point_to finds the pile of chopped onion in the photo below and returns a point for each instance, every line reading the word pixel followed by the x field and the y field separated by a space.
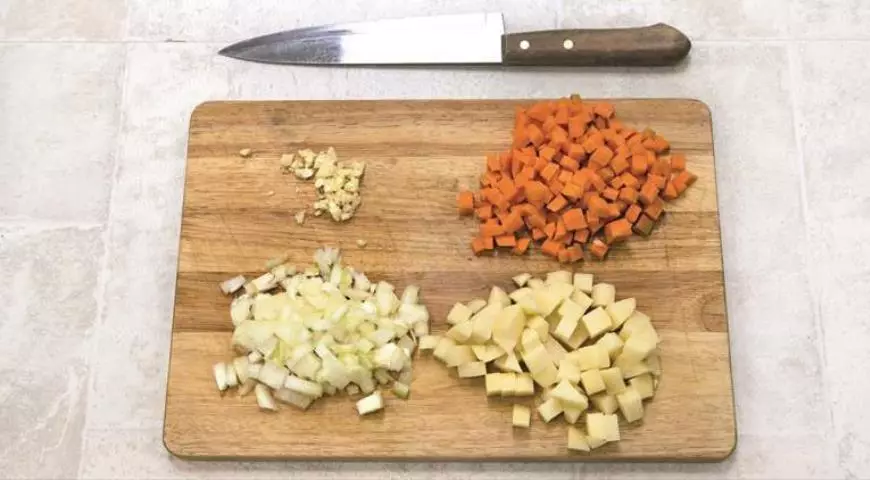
pixel 321 331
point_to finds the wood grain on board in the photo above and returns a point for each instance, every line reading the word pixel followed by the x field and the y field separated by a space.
pixel 238 213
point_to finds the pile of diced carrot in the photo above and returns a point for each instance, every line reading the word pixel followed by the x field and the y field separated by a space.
pixel 575 177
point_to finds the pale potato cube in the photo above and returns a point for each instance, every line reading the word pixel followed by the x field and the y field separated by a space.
pixel 569 396
pixel 630 368
pixel 458 355
pixel 508 327
pixel 555 349
pixel 620 311
pixel 577 338
pixel 498 296
pixel 604 403
pixel 592 382
pixel 613 380
pixel 519 293
pixel 571 313
pixel 581 299
pixel 546 301
pixel 537 359
pixel 577 440
pixel 630 404
pixel 476 305
pixel 493 384
pixel 443 348
pixel 612 343
pixel 572 414
pixel 460 332
pixel 603 426
pixel 472 369
pixel 522 416
pixel 525 385
pixel 590 358
pixel 547 376
pixel 429 342
pixel 529 340
pixel 595 442
pixel 488 352
pixel 482 323
pixel 521 279
pixel 643 384
pixel 637 320
pixel 508 363
pixel 528 306
pixel 603 294
pixel 561 290
pixel 568 370
pixel 458 314
pixel 508 387
pixel 535 283
pixel 583 282
pixel 549 409
pixel 639 345
pixel 596 322
pixel 539 324
pixel 560 276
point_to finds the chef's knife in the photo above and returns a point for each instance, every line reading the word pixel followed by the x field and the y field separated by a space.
pixel 463 39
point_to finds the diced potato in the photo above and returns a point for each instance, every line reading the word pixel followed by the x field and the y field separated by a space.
pixel 595 442
pixel 629 367
pixel 603 426
pixel 529 340
pixel 482 323
pixel 569 371
pixel 508 326
pixel 508 363
pixel 535 283
pixel 579 336
pixel 476 305
pixel 643 384
pixel 488 352
pixel 560 276
pixel 603 294
pixel 458 314
pixel 596 322
pixel 637 320
pixel 429 342
pixel 630 404
pixel 582 299
pixel 613 380
pixel 583 282
pixel 508 387
pixel 639 345
pixel 577 440
pixel 561 290
pixel 521 279
pixel 459 355
pixel 537 359
pixel 572 414
pixel 443 348
pixel 590 358
pixel 654 364
pixel 522 416
pixel 592 382
pixel 528 306
pixel 570 317
pixel 519 293
pixel 569 396
pixel 498 296
pixel 549 409
pixel 547 376
pixel 525 385
pixel 472 369
pixel 460 332
pixel 620 311
pixel 539 324
pixel 546 300
pixel 555 349
pixel 494 383
pixel 612 343
pixel 604 403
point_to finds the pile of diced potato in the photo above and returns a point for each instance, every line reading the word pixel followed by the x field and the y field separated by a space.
pixel 587 352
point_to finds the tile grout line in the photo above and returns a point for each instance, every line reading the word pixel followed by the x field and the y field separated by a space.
pixel 812 285
pixel 104 262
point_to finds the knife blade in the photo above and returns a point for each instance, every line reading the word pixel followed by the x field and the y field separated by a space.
pixel 463 39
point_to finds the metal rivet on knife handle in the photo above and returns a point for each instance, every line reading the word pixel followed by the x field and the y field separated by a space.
pixel 568 44
pixel 524 44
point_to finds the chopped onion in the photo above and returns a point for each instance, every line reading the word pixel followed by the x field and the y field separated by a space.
pixel 401 390
pixel 220 375
pixel 372 403
pixel 233 284
pixel 285 395
pixel 264 398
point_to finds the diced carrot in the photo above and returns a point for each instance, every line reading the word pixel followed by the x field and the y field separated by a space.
pixel 678 161
pixel 598 206
pixel 484 212
pixel 491 230
pixel 615 124
pixel 559 135
pixel 561 230
pixel 619 164
pixel 593 141
pixel 628 195
pixel 617 230
pixel 550 229
pixel 479 245
pixel 565 176
pixel 572 191
pixel 643 226
pixel 549 124
pixel 492 163
pixel 506 240
pixel 521 246
pixel 638 164
pixel 569 163
pixel 670 192
pixel 538 234
pixel 598 248
pixel 686 177
pixel 539 111
pixel 604 109
pixel 606 174
pixel 551 248
pixel 465 203
pixel 576 126
pixel 597 182
pixel 556 187
pixel 537 221
pixel 610 193
pixel 563 255
pixel 537 193
pixel 616 182
pixel 574 219
pixel 581 236
pixel 550 172
pixel 557 203
pixel 648 193
pixel 506 186
pixel 655 209
pixel 561 115
pixel 633 213
pixel 601 157
pixel 577 152
pixel 600 122
pixel 547 153
pixel 536 136
pixel 657 180
pixel 513 222
pixel 661 167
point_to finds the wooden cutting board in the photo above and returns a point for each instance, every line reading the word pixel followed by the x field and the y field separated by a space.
pixel 238 213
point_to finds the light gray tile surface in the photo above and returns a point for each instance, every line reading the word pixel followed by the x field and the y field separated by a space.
pixel 92 136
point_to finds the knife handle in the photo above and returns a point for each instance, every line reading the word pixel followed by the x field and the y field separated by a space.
pixel 654 45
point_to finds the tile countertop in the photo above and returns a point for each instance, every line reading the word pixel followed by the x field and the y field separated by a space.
pixel 94 101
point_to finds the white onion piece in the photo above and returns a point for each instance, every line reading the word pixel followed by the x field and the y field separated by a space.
pixel 264 398
pixel 233 285
pixel 372 403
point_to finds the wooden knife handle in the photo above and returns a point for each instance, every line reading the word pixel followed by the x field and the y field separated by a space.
pixel 655 45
